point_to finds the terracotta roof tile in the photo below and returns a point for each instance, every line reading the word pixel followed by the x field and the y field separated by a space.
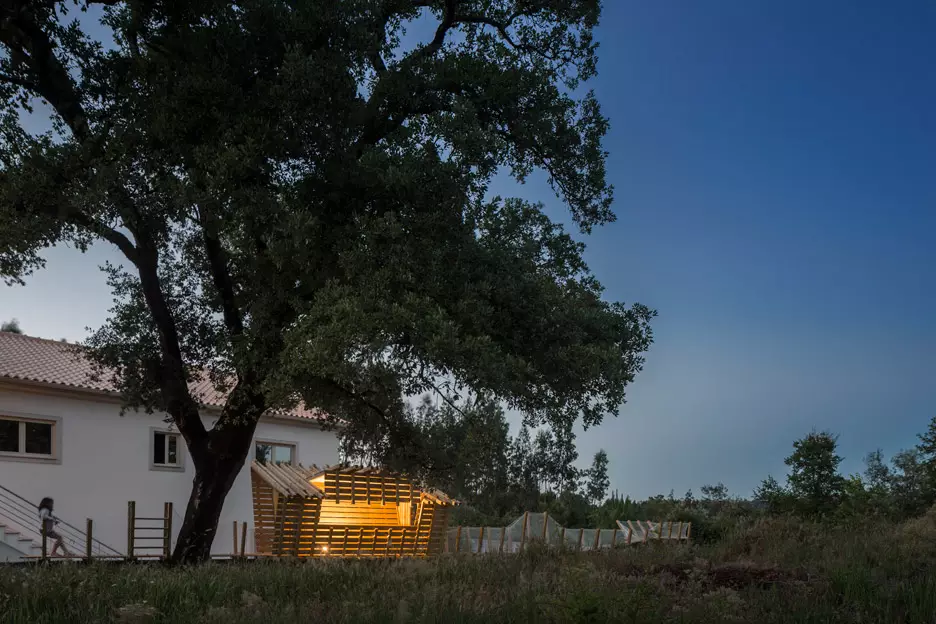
pixel 61 364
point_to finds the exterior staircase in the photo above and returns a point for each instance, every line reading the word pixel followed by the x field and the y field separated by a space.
pixel 15 546
pixel 20 536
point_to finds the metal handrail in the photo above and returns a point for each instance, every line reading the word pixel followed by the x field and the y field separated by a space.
pixel 79 536
pixel 23 524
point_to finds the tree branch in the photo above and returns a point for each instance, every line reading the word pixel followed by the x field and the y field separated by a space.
pixel 445 398
pixel 107 233
pixel 32 86
pixel 32 47
pixel 174 382
pixel 220 273
pixel 448 20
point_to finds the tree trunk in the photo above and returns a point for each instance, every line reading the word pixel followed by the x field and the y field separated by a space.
pixel 209 489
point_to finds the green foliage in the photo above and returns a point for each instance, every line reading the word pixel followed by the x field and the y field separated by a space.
pixel 927 460
pixel 813 487
pixel 303 208
pixel 12 326
pixel 814 480
pixel 903 489
pixel 596 487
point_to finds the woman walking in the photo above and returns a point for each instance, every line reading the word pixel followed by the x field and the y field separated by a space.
pixel 47 526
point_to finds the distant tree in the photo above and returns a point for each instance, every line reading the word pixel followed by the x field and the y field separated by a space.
pixel 544 461
pixel 564 452
pixel 877 480
pixel 774 496
pixel 688 499
pixel 12 326
pixel 910 485
pixel 877 474
pixel 597 481
pixel 926 450
pixel 814 480
pixel 714 493
pixel 856 499
pixel 523 469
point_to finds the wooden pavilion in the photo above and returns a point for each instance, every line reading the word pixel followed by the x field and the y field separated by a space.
pixel 345 512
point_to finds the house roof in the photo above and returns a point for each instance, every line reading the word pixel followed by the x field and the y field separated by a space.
pixel 62 364
pixel 291 480
pixel 287 479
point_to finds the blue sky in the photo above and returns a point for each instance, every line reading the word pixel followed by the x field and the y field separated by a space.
pixel 775 174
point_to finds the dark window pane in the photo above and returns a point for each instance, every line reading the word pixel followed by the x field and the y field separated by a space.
pixel 9 436
pixel 159 448
pixel 264 453
pixel 282 454
pixel 39 438
pixel 173 450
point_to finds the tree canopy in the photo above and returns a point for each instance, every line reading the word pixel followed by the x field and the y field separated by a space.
pixel 303 206
pixel 12 326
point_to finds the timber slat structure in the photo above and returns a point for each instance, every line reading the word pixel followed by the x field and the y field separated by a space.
pixel 345 511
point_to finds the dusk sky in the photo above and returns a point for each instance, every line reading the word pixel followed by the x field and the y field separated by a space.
pixel 775 174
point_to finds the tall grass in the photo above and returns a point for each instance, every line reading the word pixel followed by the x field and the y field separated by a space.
pixel 770 571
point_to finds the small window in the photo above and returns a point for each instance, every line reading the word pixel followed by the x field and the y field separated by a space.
pixel 275 452
pixel 166 451
pixel 25 437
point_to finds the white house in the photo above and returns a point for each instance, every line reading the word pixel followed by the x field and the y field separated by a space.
pixel 62 435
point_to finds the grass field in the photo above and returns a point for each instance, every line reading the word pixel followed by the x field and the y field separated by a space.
pixel 770 571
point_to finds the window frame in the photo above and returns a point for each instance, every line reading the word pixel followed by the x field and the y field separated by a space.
pixel 179 466
pixel 55 457
pixel 293 448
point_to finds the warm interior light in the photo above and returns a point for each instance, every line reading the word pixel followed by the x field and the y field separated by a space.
pixel 325 548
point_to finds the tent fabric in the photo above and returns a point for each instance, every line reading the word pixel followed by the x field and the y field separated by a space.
pixel 543 527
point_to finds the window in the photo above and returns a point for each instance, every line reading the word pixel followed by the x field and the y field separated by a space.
pixel 166 451
pixel 275 452
pixel 27 438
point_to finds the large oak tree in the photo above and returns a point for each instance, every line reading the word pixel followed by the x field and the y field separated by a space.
pixel 302 204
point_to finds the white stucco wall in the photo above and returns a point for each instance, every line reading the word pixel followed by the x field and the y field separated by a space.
pixel 105 462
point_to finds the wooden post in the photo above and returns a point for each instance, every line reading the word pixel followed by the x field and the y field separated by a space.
pixel 597 539
pixel 581 539
pixel 526 516
pixel 278 537
pixel 660 536
pixel 44 541
pixel 131 520
pixel 630 532
pixel 298 527
pixel 614 537
pixel 234 552
pixel 503 533
pixel 647 532
pixel 480 539
pixel 562 537
pixel 679 531
pixel 688 530
pixel 88 540
pixel 669 534
pixel 545 524
pixel 457 538
pixel 243 544
pixel 167 530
